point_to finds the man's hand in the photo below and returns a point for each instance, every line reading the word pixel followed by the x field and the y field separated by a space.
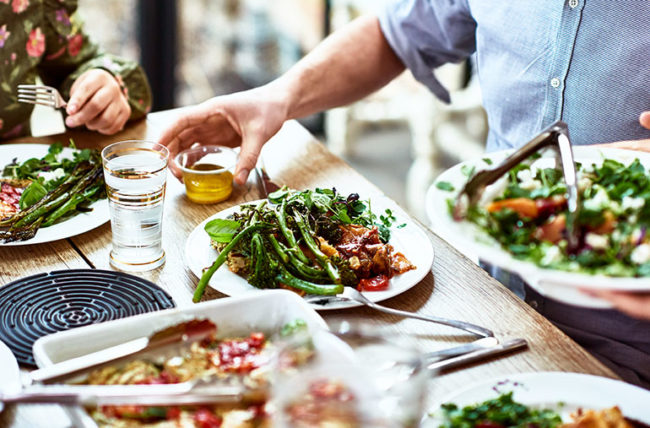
pixel 640 145
pixel 97 101
pixel 350 64
pixel 635 304
pixel 248 118
pixel 644 119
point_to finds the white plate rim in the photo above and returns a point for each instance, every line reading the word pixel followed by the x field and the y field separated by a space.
pixel 463 233
pixel 410 279
pixel 10 373
pixel 81 223
pixel 577 388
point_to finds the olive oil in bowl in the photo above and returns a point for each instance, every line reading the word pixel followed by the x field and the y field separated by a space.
pixel 207 173
pixel 208 188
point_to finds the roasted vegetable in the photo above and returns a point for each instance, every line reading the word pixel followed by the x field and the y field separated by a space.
pixel 283 243
pixel 60 188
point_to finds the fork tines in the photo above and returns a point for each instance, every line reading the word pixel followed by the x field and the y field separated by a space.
pixel 37 94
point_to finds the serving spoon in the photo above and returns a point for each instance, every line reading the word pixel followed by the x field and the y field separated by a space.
pixel 352 295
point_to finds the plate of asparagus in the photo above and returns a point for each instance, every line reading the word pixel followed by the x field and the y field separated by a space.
pixel 49 192
pixel 313 242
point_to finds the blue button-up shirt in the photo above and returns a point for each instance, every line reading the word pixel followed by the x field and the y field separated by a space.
pixel 586 62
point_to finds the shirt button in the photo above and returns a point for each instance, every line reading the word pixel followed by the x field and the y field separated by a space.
pixel 555 82
pixel 573 4
pixel 534 304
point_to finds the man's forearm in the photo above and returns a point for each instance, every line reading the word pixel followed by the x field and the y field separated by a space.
pixel 350 64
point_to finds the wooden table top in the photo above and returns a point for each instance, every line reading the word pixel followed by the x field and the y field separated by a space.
pixel 455 287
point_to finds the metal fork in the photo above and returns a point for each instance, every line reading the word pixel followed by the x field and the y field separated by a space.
pixel 556 137
pixel 41 95
pixel 350 294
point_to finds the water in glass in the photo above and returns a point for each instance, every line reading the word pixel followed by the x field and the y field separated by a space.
pixel 135 176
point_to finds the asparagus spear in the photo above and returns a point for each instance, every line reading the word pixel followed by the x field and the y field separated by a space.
pixel 70 205
pixel 322 259
pixel 58 191
pixel 288 233
pixel 50 205
pixel 205 278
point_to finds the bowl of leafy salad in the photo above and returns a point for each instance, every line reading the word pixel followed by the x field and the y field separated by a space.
pixel 519 223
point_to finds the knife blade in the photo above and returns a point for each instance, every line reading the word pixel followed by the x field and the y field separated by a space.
pixel 483 343
pixel 481 354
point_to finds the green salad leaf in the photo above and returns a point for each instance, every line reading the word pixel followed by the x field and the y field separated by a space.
pixel 445 185
pixel 32 194
pixel 503 411
pixel 222 230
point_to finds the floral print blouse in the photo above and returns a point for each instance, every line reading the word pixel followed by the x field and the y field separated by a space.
pixel 45 38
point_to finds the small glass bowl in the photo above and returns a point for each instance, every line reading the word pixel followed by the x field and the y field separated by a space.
pixel 207 173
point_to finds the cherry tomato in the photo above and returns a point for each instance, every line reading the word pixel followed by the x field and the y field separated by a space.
pixel 173 413
pixel 377 283
pixel 204 418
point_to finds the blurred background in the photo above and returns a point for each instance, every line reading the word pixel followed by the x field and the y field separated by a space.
pixel 399 137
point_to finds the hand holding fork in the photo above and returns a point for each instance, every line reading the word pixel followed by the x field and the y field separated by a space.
pixel 96 101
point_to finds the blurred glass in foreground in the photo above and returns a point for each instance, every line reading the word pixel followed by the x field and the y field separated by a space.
pixel 355 376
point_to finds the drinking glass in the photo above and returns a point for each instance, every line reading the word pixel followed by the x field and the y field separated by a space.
pixel 353 376
pixel 135 172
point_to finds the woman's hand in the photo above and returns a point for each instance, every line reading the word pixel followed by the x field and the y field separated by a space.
pixel 634 304
pixel 247 118
pixel 97 101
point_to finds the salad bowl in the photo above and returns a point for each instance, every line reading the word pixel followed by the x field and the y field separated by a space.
pixel 561 281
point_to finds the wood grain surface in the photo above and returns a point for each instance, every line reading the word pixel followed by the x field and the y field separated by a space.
pixel 455 288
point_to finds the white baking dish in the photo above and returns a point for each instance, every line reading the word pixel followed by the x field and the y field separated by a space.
pixel 265 311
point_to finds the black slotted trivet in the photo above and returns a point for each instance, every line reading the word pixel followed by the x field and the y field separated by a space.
pixel 46 303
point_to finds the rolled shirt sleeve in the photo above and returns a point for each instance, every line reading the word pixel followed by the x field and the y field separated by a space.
pixel 426 34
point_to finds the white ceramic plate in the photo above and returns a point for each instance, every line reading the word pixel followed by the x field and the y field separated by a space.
pixel 549 389
pixel 264 311
pixel 9 374
pixel 409 240
pixel 81 223
pixel 561 285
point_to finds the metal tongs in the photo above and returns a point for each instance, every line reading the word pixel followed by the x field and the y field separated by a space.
pixel 202 391
pixel 556 137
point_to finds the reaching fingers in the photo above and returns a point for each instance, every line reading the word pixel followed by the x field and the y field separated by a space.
pixel 644 119
pixel 171 136
pixel 633 304
pixel 175 169
pixel 200 125
pixel 250 151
